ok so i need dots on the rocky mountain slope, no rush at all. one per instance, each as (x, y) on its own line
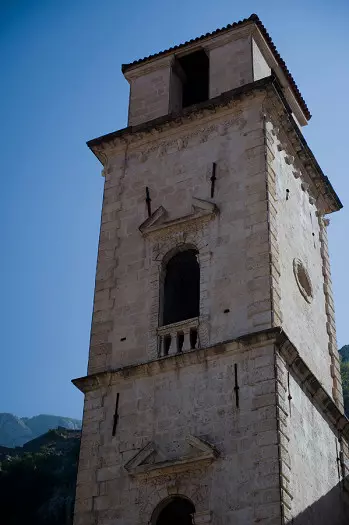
(344, 353)
(15, 431)
(37, 481)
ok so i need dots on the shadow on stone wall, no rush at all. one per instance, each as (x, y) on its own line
(330, 509)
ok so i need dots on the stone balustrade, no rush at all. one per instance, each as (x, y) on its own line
(178, 337)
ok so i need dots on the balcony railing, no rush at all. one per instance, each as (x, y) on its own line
(178, 337)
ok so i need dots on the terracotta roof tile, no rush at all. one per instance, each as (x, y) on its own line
(253, 18)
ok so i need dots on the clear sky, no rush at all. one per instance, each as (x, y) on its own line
(62, 85)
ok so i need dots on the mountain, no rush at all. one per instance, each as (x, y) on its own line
(15, 431)
(344, 353)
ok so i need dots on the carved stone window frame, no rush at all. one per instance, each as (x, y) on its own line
(164, 238)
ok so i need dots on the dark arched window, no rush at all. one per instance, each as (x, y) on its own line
(177, 512)
(181, 293)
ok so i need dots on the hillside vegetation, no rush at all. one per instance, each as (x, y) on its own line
(37, 482)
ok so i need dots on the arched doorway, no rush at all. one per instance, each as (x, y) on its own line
(181, 293)
(178, 511)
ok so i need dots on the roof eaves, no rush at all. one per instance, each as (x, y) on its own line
(330, 191)
(222, 99)
(139, 61)
(251, 19)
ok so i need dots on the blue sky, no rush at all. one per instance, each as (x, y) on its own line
(62, 85)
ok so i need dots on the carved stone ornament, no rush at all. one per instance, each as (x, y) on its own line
(156, 224)
(150, 462)
(303, 280)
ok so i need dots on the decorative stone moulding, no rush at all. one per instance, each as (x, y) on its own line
(305, 186)
(158, 224)
(151, 462)
(178, 337)
(289, 159)
(303, 280)
(296, 174)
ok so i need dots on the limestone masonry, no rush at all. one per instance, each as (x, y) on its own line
(213, 393)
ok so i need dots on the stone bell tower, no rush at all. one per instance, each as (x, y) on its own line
(213, 391)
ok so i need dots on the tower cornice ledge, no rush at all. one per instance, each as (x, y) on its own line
(177, 119)
(277, 336)
(136, 135)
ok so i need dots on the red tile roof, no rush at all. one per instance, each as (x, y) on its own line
(253, 18)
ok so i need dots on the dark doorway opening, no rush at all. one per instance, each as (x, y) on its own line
(178, 512)
(195, 79)
(181, 293)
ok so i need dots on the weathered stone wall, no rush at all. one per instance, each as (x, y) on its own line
(337, 391)
(260, 66)
(164, 403)
(233, 246)
(298, 237)
(149, 92)
(316, 478)
(279, 457)
(230, 64)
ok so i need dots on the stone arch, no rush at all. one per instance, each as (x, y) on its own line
(196, 491)
(181, 247)
(162, 248)
(179, 508)
(179, 285)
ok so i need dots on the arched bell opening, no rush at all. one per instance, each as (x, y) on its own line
(181, 288)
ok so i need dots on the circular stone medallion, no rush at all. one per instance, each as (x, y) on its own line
(303, 280)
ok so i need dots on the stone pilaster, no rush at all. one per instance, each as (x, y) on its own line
(104, 298)
(282, 416)
(257, 241)
(275, 291)
(337, 392)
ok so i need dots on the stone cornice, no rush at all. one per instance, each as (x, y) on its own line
(147, 68)
(202, 114)
(273, 335)
(109, 377)
(313, 387)
(193, 114)
(294, 135)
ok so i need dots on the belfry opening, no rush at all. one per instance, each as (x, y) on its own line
(181, 293)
